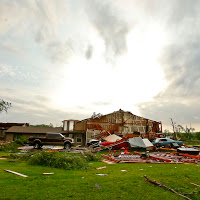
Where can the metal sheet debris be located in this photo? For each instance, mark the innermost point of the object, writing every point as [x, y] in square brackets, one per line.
[138, 142]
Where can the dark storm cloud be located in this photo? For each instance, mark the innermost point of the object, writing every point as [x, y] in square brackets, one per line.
[110, 26]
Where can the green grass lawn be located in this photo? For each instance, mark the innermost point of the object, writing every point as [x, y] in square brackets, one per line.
[72, 184]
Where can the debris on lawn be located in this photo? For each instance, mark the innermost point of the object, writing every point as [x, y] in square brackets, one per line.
[101, 167]
[108, 162]
[164, 186]
[102, 174]
[97, 186]
[195, 184]
[16, 173]
[158, 157]
[190, 151]
[123, 170]
[3, 158]
[51, 173]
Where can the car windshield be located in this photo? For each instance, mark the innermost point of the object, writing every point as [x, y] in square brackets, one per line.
[157, 140]
[170, 140]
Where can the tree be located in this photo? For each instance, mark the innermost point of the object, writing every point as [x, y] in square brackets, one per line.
[43, 125]
[4, 105]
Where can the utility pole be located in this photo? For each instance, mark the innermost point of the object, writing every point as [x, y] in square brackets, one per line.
[173, 128]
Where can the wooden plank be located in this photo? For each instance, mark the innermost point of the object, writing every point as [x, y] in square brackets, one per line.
[16, 173]
[101, 167]
[51, 173]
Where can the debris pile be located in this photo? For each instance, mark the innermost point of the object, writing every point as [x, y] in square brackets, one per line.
[136, 157]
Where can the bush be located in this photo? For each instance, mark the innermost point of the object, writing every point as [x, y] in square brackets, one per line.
[59, 160]
[24, 157]
[9, 147]
[92, 157]
[21, 141]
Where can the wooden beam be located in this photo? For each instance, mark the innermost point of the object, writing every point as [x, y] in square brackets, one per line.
[16, 173]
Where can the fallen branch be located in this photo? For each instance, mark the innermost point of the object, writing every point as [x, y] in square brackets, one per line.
[195, 184]
[192, 192]
[164, 186]
[16, 173]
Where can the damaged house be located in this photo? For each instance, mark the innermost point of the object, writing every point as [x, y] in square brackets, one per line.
[122, 123]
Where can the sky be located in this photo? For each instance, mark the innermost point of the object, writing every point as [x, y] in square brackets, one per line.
[67, 59]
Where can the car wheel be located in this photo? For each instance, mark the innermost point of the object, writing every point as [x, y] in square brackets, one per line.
[67, 145]
[37, 145]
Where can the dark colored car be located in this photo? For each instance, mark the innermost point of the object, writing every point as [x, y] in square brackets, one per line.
[159, 142]
[51, 139]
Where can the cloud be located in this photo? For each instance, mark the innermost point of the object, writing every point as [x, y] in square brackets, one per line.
[111, 27]
[34, 109]
[101, 103]
[180, 63]
[89, 52]
[60, 52]
[39, 21]
[17, 73]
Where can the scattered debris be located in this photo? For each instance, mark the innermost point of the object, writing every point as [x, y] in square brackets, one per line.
[3, 158]
[83, 154]
[16, 173]
[108, 162]
[190, 151]
[173, 157]
[101, 167]
[82, 177]
[97, 186]
[138, 142]
[164, 186]
[51, 173]
[102, 174]
[195, 184]
[123, 170]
